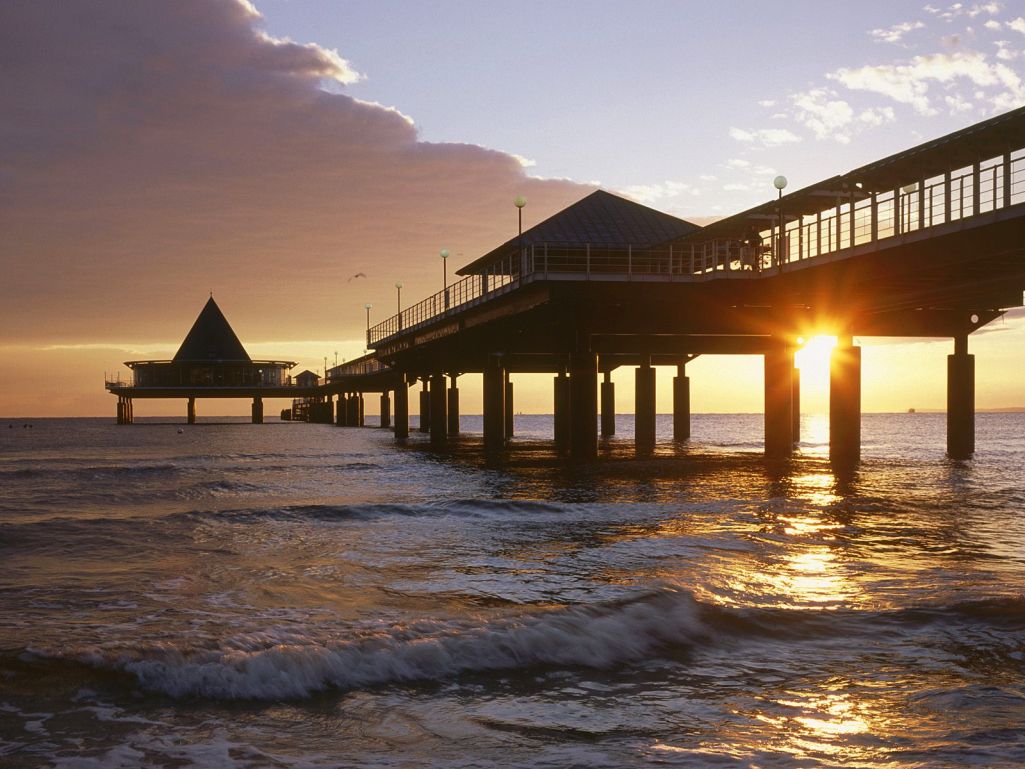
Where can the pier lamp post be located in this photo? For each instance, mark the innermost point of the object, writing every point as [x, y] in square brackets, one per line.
[444, 272]
[398, 302]
[780, 182]
[520, 202]
[368, 307]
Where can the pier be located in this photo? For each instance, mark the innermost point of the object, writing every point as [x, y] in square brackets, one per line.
[929, 242]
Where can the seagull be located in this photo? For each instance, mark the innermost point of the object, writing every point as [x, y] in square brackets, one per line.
[357, 275]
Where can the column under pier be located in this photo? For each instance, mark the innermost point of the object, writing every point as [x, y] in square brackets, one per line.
[644, 407]
[960, 401]
[439, 417]
[681, 405]
[508, 407]
[795, 403]
[257, 411]
[779, 422]
[402, 410]
[453, 405]
[583, 388]
[608, 406]
[425, 408]
[561, 409]
[385, 410]
[494, 404]
[845, 402]
[190, 413]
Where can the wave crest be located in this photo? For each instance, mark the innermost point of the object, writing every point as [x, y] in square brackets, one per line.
[261, 666]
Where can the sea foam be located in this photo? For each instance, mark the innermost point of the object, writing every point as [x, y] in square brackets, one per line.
[255, 667]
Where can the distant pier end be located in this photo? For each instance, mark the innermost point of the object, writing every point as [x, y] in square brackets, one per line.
[212, 363]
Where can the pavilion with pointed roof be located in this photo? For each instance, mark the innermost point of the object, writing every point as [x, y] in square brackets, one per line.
[210, 363]
[601, 221]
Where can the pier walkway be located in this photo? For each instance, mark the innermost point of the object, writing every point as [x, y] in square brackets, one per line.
[929, 242]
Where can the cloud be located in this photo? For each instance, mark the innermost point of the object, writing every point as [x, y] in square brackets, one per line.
[910, 82]
[1005, 52]
[655, 194]
[825, 116]
[1018, 25]
[895, 33]
[766, 137]
[151, 152]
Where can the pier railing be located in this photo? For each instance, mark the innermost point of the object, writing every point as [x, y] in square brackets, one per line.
[842, 221]
[364, 366]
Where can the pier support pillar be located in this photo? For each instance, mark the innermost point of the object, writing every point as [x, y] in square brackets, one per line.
[360, 404]
[453, 405]
[508, 407]
[120, 411]
[795, 403]
[402, 410]
[681, 404]
[257, 410]
[340, 410]
[494, 403]
[845, 402]
[960, 401]
[190, 414]
[583, 387]
[561, 409]
[779, 421]
[385, 410]
[644, 406]
[352, 410]
[129, 404]
[439, 417]
[425, 408]
[608, 406]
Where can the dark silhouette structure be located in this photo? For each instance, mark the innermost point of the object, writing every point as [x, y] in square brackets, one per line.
[211, 363]
[929, 242]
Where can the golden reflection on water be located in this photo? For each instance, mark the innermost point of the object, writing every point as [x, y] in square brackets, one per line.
[815, 435]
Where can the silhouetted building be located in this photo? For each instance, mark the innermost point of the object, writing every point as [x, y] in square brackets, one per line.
[210, 356]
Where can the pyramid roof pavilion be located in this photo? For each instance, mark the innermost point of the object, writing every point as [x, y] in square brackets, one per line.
[211, 338]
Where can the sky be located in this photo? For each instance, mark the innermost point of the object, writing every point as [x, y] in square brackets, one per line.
[151, 153]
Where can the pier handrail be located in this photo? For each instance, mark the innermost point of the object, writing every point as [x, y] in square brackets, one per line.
[364, 366]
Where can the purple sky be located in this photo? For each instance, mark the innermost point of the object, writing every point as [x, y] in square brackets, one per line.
[150, 153]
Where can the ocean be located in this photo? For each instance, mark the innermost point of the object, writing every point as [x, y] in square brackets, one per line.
[294, 595]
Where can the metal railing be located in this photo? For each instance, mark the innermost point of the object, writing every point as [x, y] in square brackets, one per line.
[360, 367]
[858, 218]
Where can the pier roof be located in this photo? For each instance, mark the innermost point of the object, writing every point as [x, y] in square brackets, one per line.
[600, 219]
[211, 338]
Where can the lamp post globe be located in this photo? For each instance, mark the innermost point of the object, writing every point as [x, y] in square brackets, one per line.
[780, 182]
[444, 267]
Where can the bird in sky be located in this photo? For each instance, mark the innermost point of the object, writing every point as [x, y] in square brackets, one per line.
[357, 275]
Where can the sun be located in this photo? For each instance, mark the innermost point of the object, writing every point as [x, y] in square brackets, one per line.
[813, 361]
[814, 353]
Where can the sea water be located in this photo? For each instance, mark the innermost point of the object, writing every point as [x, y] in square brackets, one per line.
[293, 595]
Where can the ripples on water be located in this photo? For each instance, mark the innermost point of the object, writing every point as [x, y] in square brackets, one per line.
[304, 595]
